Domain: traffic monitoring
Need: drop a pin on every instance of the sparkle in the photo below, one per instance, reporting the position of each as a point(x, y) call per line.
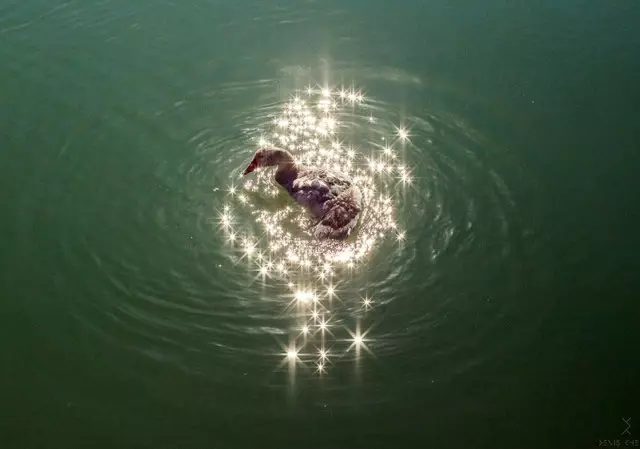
point(249, 248)
point(403, 134)
point(304, 296)
point(358, 340)
point(405, 178)
point(225, 219)
point(276, 241)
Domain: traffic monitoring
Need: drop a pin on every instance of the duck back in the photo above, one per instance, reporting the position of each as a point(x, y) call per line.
point(330, 197)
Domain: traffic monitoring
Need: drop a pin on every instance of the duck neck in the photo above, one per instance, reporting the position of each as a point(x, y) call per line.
point(287, 169)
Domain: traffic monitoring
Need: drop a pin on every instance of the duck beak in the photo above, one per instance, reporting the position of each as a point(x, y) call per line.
point(251, 167)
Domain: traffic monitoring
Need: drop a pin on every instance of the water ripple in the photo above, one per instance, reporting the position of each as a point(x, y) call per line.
point(151, 173)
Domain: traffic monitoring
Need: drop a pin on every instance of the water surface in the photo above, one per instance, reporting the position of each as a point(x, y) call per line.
point(500, 307)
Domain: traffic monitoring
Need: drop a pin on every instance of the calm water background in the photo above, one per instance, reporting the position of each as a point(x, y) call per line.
point(505, 321)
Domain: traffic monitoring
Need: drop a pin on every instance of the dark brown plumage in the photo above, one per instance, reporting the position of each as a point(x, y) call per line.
point(331, 197)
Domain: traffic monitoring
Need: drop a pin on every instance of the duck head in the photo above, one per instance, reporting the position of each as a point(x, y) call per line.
point(268, 157)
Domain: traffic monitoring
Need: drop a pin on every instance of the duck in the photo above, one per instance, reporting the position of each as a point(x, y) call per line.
point(331, 197)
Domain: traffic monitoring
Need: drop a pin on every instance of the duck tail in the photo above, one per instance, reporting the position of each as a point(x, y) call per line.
point(323, 231)
point(346, 205)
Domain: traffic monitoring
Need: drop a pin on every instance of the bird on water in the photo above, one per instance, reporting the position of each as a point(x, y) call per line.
point(331, 197)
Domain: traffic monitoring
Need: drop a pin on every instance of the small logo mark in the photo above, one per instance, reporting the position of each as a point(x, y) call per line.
point(627, 430)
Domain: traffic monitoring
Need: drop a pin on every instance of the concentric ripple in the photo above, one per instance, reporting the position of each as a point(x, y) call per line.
point(214, 269)
point(162, 251)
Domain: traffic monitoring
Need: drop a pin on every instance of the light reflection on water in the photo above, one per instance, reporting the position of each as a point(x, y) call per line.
point(278, 245)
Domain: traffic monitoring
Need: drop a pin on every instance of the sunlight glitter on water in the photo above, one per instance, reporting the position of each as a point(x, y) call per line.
point(283, 247)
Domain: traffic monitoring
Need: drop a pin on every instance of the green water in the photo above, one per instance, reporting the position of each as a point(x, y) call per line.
point(504, 318)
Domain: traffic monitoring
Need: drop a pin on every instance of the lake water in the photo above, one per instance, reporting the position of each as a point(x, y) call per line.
point(150, 299)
